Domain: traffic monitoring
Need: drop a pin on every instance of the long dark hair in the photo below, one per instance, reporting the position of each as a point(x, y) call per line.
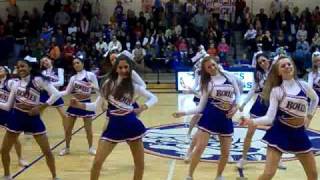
point(35, 72)
point(259, 72)
point(125, 86)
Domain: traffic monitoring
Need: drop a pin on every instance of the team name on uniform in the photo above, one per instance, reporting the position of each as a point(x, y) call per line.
point(82, 87)
point(296, 106)
point(224, 93)
point(29, 96)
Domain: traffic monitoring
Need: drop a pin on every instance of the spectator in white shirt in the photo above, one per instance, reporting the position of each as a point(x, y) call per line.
point(101, 46)
point(115, 44)
point(251, 33)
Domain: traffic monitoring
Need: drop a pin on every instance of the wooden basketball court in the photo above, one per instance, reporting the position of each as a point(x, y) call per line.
point(119, 165)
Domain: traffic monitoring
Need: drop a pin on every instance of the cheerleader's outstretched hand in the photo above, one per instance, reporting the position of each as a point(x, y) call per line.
point(178, 114)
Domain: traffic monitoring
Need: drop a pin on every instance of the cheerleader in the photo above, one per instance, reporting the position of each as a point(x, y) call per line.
point(135, 76)
point(259, 108)
point(80, 86)
point(314, 75)
point(6, 85)
point(219, 99)
point(56, 77)
point(288, 112)
point(24, 100)
point(119, 91)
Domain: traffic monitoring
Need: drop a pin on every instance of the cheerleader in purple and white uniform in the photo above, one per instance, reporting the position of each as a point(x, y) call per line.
point(314, 75)
point(5, 88)
point(119, 91)
point(259, 108)
point(135, 76)
point(24, 100)
point(218, 103)
point(80, 86)
point(289, 112)
point(56, 77)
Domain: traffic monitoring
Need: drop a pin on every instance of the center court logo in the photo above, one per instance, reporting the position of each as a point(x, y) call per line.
point(171, 141)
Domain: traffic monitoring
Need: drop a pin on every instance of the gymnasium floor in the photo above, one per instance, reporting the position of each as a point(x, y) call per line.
point(119, 165)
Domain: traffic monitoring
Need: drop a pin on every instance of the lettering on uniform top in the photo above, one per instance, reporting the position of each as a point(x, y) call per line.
point(296, 106)
point(81, 87)
point(224, 93)
point(4, 96)
point(28, 95)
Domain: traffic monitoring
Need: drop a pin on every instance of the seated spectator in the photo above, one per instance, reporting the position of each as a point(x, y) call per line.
point(212, 51)
point(101, 46)
point(315, 42)
point(302, 33)
point(61, 18)
point(138, 53)
point(54, 52)
point(114, 44)
point(183, 46)
point(223, 49)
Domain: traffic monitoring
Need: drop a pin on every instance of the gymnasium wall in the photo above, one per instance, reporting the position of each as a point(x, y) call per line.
point(107, 6)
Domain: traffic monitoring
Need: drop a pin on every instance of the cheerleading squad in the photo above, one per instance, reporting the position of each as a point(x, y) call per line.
point(283, 103)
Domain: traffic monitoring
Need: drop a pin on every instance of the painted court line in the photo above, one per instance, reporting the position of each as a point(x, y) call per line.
point(53, 148)
point(171, 169)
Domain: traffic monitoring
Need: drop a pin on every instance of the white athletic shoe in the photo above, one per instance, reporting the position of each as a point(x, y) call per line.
point(189, 178)
point(23, 163)
point(241, 163)
point(56, 178)
point(92, 151)
point(64, 152)
point(219, 178)
point(281, 165)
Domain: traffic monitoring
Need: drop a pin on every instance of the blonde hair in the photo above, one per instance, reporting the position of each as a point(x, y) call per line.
point(274, 79)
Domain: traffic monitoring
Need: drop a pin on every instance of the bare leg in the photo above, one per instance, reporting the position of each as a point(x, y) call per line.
point(43, 142)
point(201, 144)
point(88, 127)
point(270, 169)
point(225, 142)
point(247, 141)
point(309, 164)
point(70, 125)
point(63, 117)
point(137, 151)
point(8, 141)
point(103, 151)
